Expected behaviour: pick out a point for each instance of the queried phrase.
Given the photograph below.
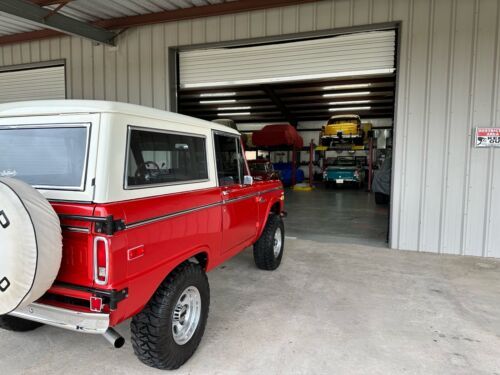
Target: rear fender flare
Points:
(156, 277)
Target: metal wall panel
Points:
(446, 194)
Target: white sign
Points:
(487, 137)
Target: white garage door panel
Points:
(328, 57)
(33, 84)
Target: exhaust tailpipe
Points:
(114, 338)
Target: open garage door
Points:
(338, 92)
(17, 84)
(338, 56)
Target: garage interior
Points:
(358, 78)
(405, 287)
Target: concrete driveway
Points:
(330, 309)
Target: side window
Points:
(230, 163)
(165, 158)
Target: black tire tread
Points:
(150, 327)
(263, 249)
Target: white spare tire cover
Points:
(30, 245)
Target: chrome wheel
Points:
(277, 243)
(186, 316)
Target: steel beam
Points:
(281, 106)
(55, 21)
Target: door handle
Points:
(225, 192)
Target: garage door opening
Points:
(33, 81)
(338, 94)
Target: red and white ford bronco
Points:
(144, 203)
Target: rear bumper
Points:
(93, 323)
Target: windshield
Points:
(345, 162)
(340, 121)
(258, 167)
(52, 157)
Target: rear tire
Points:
(268, 250)
(11, 323)
(169, 329)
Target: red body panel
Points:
(76, 266)
(168, 230)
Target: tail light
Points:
(101, 260)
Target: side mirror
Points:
(247, 180)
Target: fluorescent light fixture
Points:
(353, 73)
(216, 94)
(351, 102)
(349, 109)
(233, 108)
(347, 87)
(346, 94)
(218, 101)
(233, 114)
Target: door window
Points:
(230, 162)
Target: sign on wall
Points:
(487, 137)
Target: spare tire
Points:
(30, 245)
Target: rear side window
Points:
(45, 156)
(161, 158)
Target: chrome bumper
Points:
(63, 318)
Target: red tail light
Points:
(101, 260)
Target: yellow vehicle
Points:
(342, 128)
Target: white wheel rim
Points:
(277, 243)
(186, 315)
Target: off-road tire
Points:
(152, 336)
(11, 323)
(263, 250)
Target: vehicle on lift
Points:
(344, 171)
(381, 184)
(342, 129)
(147, 202)
(263, 170)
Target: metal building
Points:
(445, 192)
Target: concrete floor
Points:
(341, 304)
(336, 215)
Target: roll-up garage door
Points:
(32, 84)
(338, 56)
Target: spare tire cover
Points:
(30, 245)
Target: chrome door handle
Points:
(225, 192)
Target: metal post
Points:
(370, 162)
(311, 156)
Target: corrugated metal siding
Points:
(446, 194)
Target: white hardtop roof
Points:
(69, 106)
(345, 116)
